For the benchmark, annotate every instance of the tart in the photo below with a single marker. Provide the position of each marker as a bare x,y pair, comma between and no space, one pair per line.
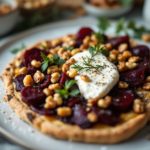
82,87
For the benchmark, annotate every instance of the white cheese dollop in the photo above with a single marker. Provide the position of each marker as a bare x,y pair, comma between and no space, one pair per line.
102,79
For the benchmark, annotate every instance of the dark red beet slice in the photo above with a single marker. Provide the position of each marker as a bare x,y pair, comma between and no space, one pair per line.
31,54
42,111
141,50
108,117
80,117
116,41
45,82
134,77
123,100
32,96
83,32
63,78
31,70
73,101
19,82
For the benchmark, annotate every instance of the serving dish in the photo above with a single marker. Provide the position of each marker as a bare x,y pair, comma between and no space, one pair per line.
107,12
46,35
9,20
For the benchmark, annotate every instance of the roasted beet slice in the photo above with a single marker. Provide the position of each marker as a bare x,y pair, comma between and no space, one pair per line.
42,111
19,82
73,101
142,51
108,117
116,41
80,117
45,82
83,32
31,54
123,100
33,96
63,78
31,70
134,77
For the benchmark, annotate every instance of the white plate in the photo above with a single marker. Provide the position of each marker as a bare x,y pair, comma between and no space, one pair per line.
107,12
22,133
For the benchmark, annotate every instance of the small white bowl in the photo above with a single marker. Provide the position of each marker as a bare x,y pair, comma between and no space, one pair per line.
112,12
9,20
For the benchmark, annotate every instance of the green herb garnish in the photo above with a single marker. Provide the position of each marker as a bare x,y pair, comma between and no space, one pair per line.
16,50
125,2
103,24
94,50
67,91
55,60
121,26
87,61
70,48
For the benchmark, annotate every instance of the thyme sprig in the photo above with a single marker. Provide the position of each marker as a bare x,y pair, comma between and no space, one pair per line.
68,89
87,61
55,60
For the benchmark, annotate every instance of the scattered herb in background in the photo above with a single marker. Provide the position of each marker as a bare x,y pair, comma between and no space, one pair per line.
55,60
18,49
126,2
121,27
103,24
67,91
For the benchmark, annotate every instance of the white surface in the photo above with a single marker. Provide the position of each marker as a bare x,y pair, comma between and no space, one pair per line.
97,11
102,79
22,133
8,21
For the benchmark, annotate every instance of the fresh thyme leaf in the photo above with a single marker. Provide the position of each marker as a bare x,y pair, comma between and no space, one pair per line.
16,50
65,92
55,60
100,37
94,50
44,66
70,48
121,26
74,92
126,2
103,24
138,30
69,84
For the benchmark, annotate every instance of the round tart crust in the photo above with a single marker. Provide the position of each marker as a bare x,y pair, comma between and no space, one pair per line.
58,129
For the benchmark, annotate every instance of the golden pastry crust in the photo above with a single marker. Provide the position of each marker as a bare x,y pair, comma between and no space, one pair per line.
58,129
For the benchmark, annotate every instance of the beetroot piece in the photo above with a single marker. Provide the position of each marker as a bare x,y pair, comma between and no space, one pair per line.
116,41
73,101
142,51
108,117
42,111
31,70
31,54
134,77
83,32
80,117
32,96
63,78
19,82
123,100
45,82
